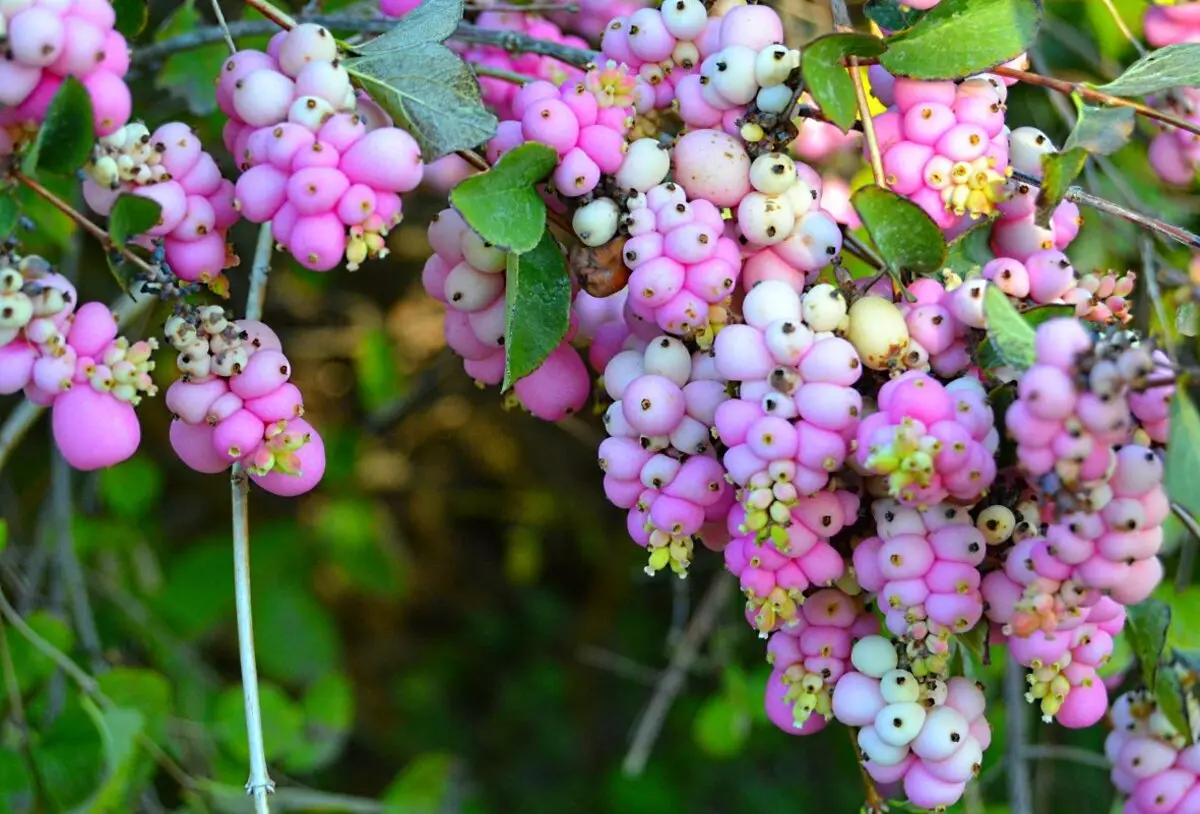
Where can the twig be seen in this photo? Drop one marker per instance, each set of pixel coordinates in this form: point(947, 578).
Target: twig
point(618, 665)
point(295, 799)
point(874, 804)
point(521, 43)
point(77, 216)
point(841, 22)
point(216, 7)
point(1077, 195)
point(861, 250)
point(16, 707)
point(1020, 792)
point(1093, 95)
point(1123, 28)
point(500, 73)
point(275, 14)
point(1152, 288)
point(1069, 754)
point(1187, 551)
point(259, 784)
point(26, 414)
point(68, 561)
point(715, 598)
point(532, 8)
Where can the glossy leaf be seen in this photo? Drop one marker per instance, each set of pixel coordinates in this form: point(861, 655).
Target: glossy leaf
point(1175, 66)
point(538, 309)
point(132, 216)
point(906, 237)
point(64, 141)
point(1059, 171)
point(826, 76)
point(502, 204)
point(891, 15)
point(970, 250)
point(958, 38)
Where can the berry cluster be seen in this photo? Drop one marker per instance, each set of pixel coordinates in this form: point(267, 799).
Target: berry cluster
point(1152, 762)
point(329, 184)
point(46, 42)
point(234, 402)
point(71, 359)
point(944, 144)
point(921, 732)
point(171, 168)
point(1047, 277)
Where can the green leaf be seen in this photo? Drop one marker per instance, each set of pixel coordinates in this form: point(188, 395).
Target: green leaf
point(119, 731)
point(502, 204)
point(64, 142)
point(1101, 130)
point(426, 87)
point(721, 728)
point(990, 356)
point(32, 666)
point(1183, 464)
point(537, 312)
point(1175, 66)
point(131, 489)
point(131, 16)
point(197, 592)
point(971, 250)
point(328, 715)
point(15, 780)
point(281, 718)
point(54, 229)
point(3, 535)
point(975, 641)
point(189, 74)
point(907, 238)
point(423, 787)
point(826, 78)
point(962, 37)
point(131, 216)
point(297, 640)
point(10, 213)
point(1059, 171)
point(145, 690)
point(1146, 625)
point(891, 14)
point(377, 373)
point(1168, 692)
point(68, 757)
point(1010, 335)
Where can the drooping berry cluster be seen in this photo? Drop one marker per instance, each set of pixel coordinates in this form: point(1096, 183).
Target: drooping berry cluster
point(1151, 760)
point(234, 402)
point(69, 357)
point(329, 184)
point(171, 168)
point(46, 42)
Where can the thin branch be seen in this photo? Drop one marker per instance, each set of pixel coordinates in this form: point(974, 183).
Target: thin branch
point(224, 26)
point(77, 216)
point(862, 251)
point(68, 561)
point(499, 73)
point(705, 619)
point(76, 673)
point(1150, 275)
point(275, 14)
point(1123, 28)
point(1020, 792)
point(26, 414)
point(16, 707)
point(225, 798)
point(618, 665)
point(259, 784)
point(532, 8)
point(1187, 550)
point(1069, 754)
point(1093, 95)
point(1077, 195)
point(874, 804)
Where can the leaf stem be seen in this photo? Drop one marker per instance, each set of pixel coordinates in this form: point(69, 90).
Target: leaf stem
point(259, 784)
point(1077, 195)
point(499, 73)
point(216, 7)
point(26, 414)
point(1187, 549)
point(275, 14)
point(1123, 27)
point(841, 22)
point(531, 8)
point(874, 804)
point(77, 216)
point(1092, 95)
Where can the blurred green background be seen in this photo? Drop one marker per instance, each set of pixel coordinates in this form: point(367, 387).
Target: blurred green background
point(455, 621)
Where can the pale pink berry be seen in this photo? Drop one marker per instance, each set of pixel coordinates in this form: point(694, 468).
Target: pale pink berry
point(560, 387)
point(92, 329)
point(94, 430)
point(312, 465)
point(387, 159)
point(193, 443)
point(318, 241)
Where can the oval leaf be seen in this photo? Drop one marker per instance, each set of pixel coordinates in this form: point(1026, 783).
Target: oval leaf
point(891, 15)
point(1183, 464)
point(1009, 334)
point(1101, 130)
point(907, 238)
point(970, 250)
point(1175, 66)
point(432, 21)
point(1059, 171)
point(962, 37)
point(826, 78)
point(131, 216)
point(1146, 626)
point(502, 204)
point(538, 308)
point(64, 142)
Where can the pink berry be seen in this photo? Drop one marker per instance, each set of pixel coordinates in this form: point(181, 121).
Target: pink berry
point(193, 443)
point(94, 430)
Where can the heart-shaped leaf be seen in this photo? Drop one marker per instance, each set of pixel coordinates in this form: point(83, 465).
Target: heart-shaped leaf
point(502, 204)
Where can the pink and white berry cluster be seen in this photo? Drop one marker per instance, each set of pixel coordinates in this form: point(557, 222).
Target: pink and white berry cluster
point(234, 402)
point(1152, 763)
point(467, 275)
point(944, 145)
point(923, 568)
point(171, 168)
point(930, 442)
point(1047, 277)
point(1175, 153)
point(922, 735)
point(1016, 233)
point(940, 319)
point(46, 42)
point(499, 93)
point(328, 183)
point(71, 359)
point(809, 655)
point(1171, 24)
